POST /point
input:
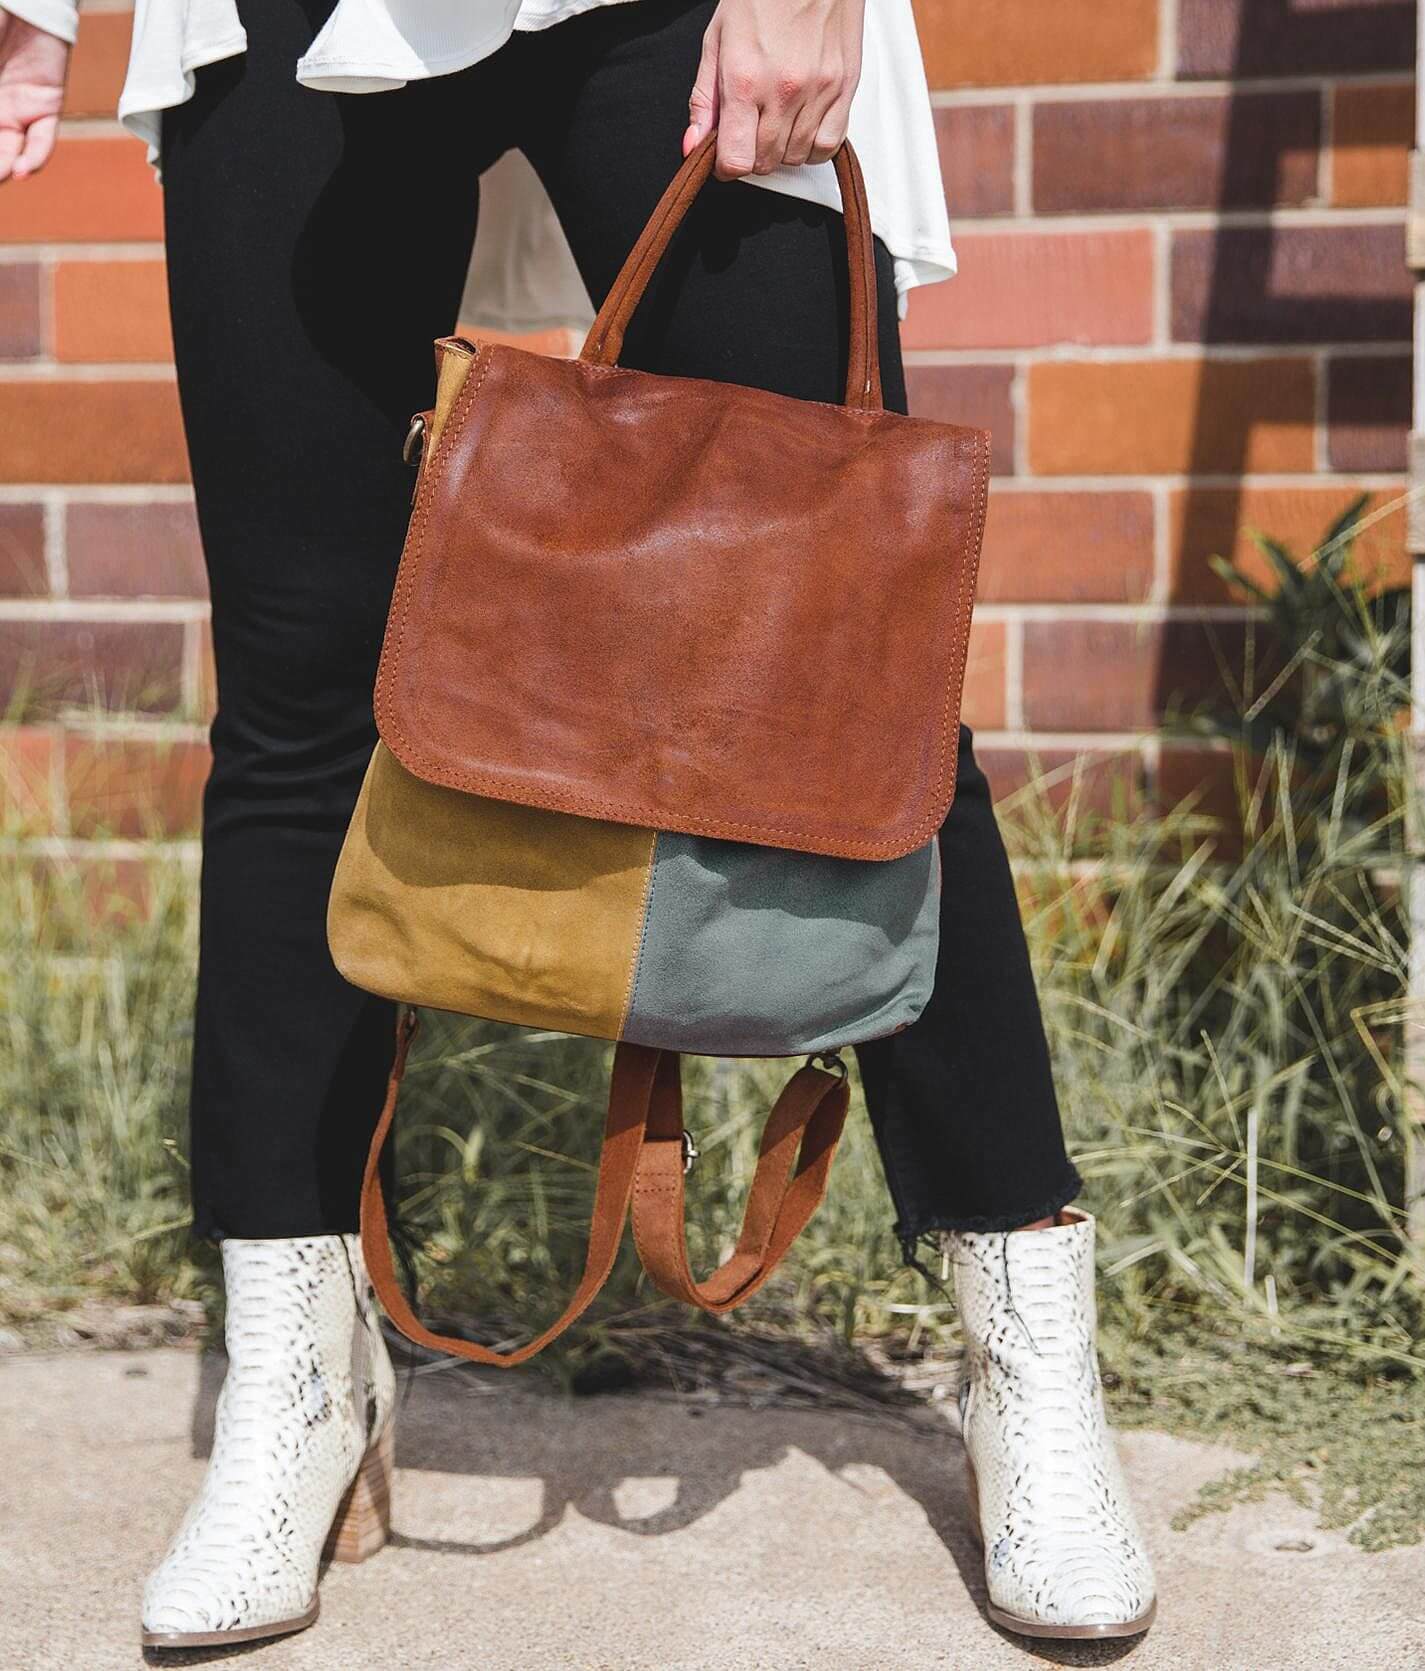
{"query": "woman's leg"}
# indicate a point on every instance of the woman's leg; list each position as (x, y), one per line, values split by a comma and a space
(754, 291)
(962, 1101)
(316, 245)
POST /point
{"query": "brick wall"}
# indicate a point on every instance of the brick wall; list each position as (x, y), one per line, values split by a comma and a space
(1183, 309)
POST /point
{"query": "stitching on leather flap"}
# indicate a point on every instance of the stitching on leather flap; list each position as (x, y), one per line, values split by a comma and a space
(894, 843)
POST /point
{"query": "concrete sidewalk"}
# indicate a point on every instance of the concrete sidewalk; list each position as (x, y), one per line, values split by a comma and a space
(628, 1532)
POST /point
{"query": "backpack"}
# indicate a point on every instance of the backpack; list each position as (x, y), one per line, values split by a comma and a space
(668, 709)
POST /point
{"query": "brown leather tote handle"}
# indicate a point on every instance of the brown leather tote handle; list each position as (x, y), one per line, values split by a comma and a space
(863, 372)
(642, 1162)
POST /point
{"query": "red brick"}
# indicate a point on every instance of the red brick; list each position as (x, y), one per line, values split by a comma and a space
(22, 552)
(1206, 522)
(1201, 784)
(981, 396)
(984, 700)
(1236, 790)
(96, 67)
(1206, 787)
(83, 894)
(1025, 289)
(115, 664)
(1063, 905)
(1016, 43)
(1184, 770)
(976, 144)
(134, 551)
(113, 891)
(28, 761)
(95, 190)
(1108, 782)
(1122, 675)
(1368, 411)
(1156, 417)
(1203, 151)
(1372, 131)
(91, 431)
(1067, 547)
(19, 311)
(1291, 284)
(1292, 37)
(134, 786)
(111, 310)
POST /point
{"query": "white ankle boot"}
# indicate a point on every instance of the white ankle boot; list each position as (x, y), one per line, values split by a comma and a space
(1063, 1553)
(302, 1446)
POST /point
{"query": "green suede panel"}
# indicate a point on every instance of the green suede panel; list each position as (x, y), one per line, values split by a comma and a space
(754, 951)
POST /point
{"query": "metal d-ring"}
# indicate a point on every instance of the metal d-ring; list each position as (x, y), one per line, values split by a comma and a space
(415, 440)
(829, 1061)
(690, 1151)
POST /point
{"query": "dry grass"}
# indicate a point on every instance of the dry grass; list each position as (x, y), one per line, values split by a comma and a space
(1228, 1036)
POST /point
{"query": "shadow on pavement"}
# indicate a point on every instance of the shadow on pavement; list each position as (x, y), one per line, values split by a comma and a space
(581, 1450)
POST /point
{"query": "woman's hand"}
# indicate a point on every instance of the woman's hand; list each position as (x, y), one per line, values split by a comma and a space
(32, 70)
(776, 81)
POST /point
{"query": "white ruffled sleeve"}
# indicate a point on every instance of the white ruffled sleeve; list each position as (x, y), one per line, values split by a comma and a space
(55, 17)
(374, 46)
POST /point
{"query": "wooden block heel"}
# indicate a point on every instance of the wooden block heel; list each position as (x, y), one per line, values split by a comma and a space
(972, 1497)
(363, 1518)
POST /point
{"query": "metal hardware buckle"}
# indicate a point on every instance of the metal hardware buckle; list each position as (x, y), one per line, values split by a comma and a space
(829, 1061)
(690, 1151)
(415, 440)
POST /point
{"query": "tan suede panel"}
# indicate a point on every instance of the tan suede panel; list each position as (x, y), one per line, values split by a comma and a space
(487, 908)
(453, 363)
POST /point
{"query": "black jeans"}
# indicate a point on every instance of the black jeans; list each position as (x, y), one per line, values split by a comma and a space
(316, 245)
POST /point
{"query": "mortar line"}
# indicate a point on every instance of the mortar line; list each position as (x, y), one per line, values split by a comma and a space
(1274, 218)
(1149, 353)
(1118, 92)
(1023, 119)
(56, 547)
(1014, 671)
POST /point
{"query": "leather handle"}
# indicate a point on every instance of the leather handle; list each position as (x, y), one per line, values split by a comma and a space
(604, 342)
(642, 1164)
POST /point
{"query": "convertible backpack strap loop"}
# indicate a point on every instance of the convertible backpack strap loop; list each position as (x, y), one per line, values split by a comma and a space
(803, 1128)
(643, 1162)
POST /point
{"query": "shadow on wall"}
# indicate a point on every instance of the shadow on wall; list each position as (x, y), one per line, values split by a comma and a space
(1260, 285)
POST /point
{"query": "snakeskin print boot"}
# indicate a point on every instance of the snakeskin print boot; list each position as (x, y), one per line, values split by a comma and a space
(302, 1449)
(1063, 1553)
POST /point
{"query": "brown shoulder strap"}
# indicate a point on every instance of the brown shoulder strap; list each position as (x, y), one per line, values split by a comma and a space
(643, 1161)
(629, 1096)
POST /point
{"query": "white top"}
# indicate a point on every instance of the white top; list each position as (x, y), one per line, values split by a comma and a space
(369, 46)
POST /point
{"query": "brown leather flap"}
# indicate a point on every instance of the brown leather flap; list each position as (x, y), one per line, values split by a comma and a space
(687, 605)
